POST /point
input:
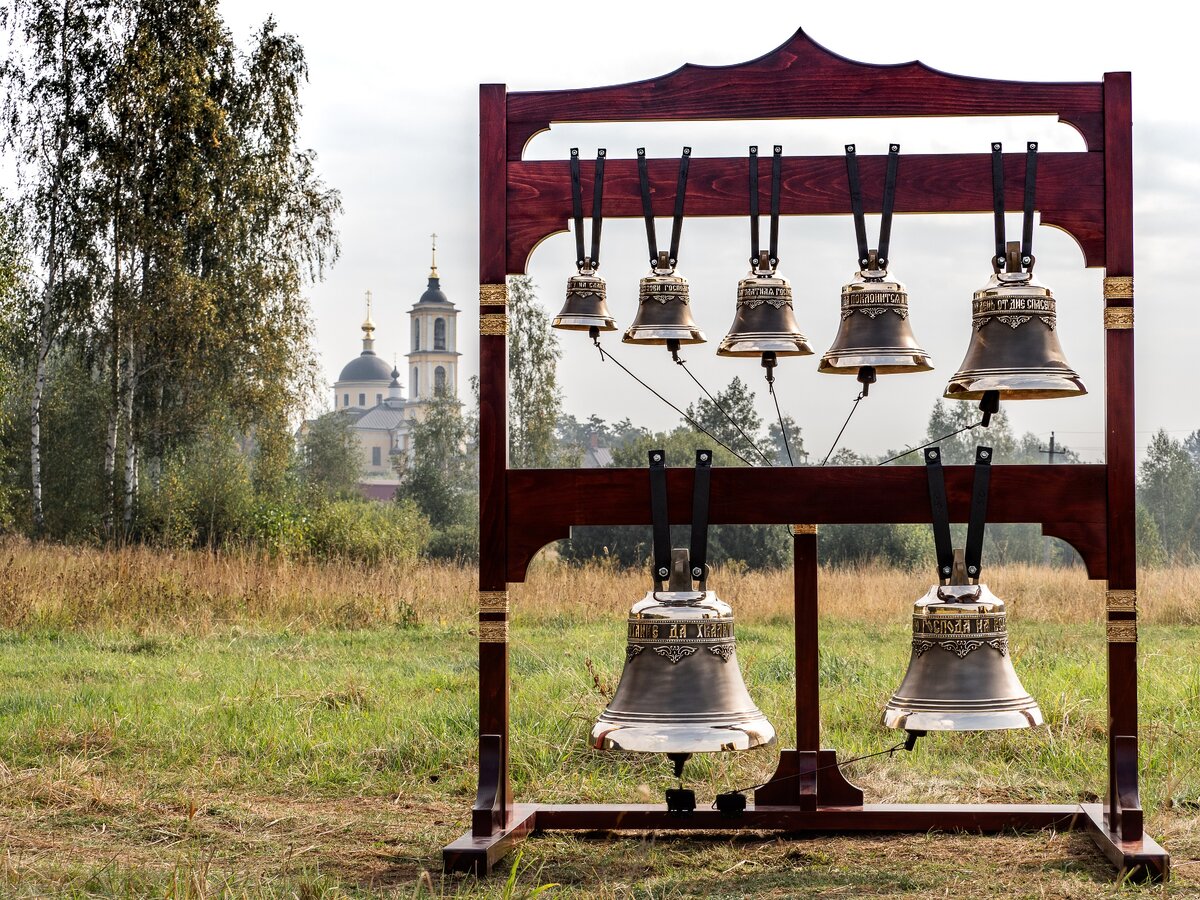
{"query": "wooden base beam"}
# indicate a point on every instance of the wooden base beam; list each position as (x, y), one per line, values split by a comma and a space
(478, 855)
(1137, 860)
(1140, 859)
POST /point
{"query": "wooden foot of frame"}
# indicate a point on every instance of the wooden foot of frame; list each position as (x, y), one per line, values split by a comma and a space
(808, 779)
(1141, 860)
(477, 855)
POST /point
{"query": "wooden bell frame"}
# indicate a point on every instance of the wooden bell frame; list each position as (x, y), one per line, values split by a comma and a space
(1088, 194)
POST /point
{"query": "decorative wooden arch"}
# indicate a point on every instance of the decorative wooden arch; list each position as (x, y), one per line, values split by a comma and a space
(1088, 194)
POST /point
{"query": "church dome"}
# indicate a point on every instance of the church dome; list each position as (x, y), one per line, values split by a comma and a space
(366, 367)
(433, 293)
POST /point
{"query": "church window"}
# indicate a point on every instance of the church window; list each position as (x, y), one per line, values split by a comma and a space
(345, 399)
(439, 379)
(362, 399)
(416, 384)
(439, 334)
(416, 334)
(376, 456)
(378, 399)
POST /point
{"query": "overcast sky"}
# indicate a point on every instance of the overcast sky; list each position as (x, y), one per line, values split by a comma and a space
(392, 111)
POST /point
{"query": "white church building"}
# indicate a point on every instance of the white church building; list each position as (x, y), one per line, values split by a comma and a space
(370, 394)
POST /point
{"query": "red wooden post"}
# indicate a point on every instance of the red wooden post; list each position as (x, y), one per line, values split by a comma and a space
(1124, 807)
(494, 800)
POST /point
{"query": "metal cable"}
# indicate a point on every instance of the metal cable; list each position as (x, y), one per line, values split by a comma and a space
(604, 355)
(749, 440)
(853, 408)
(782, 428)
(835, 765)
(929, 443)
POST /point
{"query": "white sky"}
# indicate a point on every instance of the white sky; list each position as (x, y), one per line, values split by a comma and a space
(392, 110)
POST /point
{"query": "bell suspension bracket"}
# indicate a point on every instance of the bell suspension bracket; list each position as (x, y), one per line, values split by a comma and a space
(759, 262)
(587, 264)
(659, 260)
(700, 497)
(940, 511)
(878, 259)
(1014, 257)
(658, 514)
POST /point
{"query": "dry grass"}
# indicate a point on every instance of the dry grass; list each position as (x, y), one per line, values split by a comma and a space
(194, 592)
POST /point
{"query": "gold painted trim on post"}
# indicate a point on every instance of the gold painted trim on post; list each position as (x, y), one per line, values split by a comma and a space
(1120, 601)
(493, 601)
(1122, 632)
(804, 529)
(493, 632)
(1118, 287)
(1118, 317)
(493, 295)
(493, 323)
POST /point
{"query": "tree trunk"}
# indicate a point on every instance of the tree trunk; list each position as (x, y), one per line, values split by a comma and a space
(130, 480)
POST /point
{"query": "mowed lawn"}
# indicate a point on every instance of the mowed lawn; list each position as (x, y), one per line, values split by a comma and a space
(269, 759)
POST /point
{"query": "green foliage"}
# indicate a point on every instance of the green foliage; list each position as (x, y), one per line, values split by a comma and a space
(329, 456)
(534, 401)
(438, 476)
(370, 532)
(1169, 490)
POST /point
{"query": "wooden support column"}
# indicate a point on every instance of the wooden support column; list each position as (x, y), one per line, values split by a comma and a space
(1123, 806)
(493, 801)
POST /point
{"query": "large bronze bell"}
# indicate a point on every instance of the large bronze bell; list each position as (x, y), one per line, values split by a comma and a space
(764, 320)
(681, 690)
(587, 305)
(664, 309)
(875, 329)
(1014, 345)
(960, 676)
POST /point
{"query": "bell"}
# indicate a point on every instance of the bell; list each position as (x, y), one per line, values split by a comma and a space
(1014, 345)
(681, 691)
(875, 330)
(586, 306)
(664, 309)
(960, 676)
(764, 321)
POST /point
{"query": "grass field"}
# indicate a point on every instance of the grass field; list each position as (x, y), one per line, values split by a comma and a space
(199, 726)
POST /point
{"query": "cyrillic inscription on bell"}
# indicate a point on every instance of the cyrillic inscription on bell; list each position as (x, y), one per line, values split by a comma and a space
(960, 676)
(664, 309)
(586, 306)
(681, 690)
(764, 320)
(875, 329)
(1014, 345)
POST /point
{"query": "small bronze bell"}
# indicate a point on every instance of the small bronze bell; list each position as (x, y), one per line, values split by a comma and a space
(664, 309)
(587, 305)
(875, 329)
(681, 690)
(1014, 345)
(764, 320)
(960, 676)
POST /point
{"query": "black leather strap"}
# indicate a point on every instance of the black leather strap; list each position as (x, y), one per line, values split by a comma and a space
(998, 201)
(856, 205)
(889, 204)
(940, 512)
(658, 515)
(776, 188)
(680, 196)
(647, 206)
(754, 248)
(577, 206)
(700, 495)
(1030, 194)
(979, 499)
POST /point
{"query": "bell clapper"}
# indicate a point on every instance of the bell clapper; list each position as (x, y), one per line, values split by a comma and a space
(769, 362)
(989, 406)
(866, 377)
